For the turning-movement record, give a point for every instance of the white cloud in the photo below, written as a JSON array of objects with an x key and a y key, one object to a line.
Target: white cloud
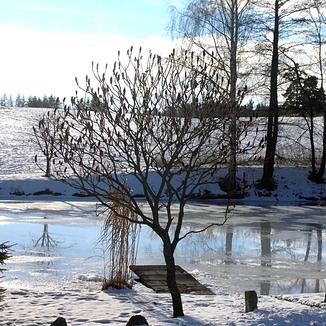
[
  {"x": 98, "y": 19},
  {"x": 37, "y": 63}
]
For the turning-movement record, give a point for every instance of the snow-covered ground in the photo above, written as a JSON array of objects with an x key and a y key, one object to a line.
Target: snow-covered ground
[
  {"x": 65, "y": 281},
  {"x": 28, "y": 307}
]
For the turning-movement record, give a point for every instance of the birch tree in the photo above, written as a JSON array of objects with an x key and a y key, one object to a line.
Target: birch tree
[{"x": 222, "y": 29}]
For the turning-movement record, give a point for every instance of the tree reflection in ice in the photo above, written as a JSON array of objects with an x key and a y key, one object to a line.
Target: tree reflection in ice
[
  {"x": 46, "y": 241},
  {"x": 266, "y": 255}
]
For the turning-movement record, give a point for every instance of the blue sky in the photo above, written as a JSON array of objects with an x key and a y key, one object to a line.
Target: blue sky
[
  {"x": 134, "y": 18},
  {"x": 47, "y": 43}
]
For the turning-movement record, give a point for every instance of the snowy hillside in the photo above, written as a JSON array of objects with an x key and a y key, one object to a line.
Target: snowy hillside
[{"x": 19, "y": 174}]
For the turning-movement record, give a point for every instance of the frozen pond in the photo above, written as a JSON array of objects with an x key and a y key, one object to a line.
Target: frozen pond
[{"x": 273, "y": 250}]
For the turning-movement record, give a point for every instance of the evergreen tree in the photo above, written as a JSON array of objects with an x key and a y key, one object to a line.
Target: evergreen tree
[
  {"x": 23, "y": 102},
  {"x": 45, "y": 102},
  {"x": 4, "y": 253},
  {"x": 4, "y": 100},
  {"x": 31, "y": 102},
  {"x": 10, "y": 101},
  {"x": 18, "y": 101},
  {"x": 52, "y": 101},
  {"x": 304, "y": 96}
]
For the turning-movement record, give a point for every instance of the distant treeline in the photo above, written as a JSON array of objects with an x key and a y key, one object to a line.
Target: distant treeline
[
  {"x": 261, "y": 109},
  {"x": 31, "y": 102}
]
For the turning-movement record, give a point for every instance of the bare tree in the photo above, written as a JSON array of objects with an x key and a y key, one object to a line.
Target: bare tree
[
  {"x": 283, "y": 19},
  {"x": 126, "y": 137},
  {"x": 267, "y": 181},
  {"x": 222, "y": 29},
  {"x": 44, "y": 136},
  {"x": 316, "y": 22},
  {"x": 297, "y": 55}
]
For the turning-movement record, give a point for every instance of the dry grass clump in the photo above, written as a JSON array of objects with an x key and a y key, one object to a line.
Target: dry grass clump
[{"x": 120, "y": 238}]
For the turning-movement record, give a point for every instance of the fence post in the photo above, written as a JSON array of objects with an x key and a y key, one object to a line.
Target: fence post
[{"x": 251, "y": 300}]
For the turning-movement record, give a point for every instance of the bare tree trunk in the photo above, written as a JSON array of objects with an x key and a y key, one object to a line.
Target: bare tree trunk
[
  {"x": 272, "y": 128},
  {"x": 311, "y": 130},
  {"x": 321, "y": 171},
  {"x": 48, "y": 166},
  {"x": 232, "y": 171},
  {"x": 320, "y": 41},
  {"x": 230, "y": 182},
  {"x": 317, "y": 176},
  {"x": 171, "y": 279}
]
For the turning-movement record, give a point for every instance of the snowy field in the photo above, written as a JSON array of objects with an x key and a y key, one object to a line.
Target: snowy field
[
  {"x": 64, "y": 280},
  {"x": 18, "y": 149}
]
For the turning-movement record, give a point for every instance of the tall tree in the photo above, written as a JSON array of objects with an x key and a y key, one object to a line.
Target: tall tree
[
  {"x": 126, "y": 137},
  {"x": 53, "y": 101},
  {"x": 4, "y": 100},
  {"x": 10, "y": 101},
  {"x": 317, "y": 38},
  {"x": 32, "y": 101},
  {"x": 304, "y": 97},
  {"x": 45, "y": 102},
  {"x": 272, "y": 126},
  {"x": 221, "y": 28},
  {"x": 23, "y": 101},
  {"x": 307, "y": 89},
  {"x": 284, "y": 22},
  {"x": 18, "y": 101}
]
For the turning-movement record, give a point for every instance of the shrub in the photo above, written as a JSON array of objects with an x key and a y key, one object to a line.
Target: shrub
[{"x": 4, "y": 253}]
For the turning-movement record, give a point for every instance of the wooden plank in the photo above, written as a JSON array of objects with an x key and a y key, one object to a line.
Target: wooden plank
[{"x": 154, "y": 277}]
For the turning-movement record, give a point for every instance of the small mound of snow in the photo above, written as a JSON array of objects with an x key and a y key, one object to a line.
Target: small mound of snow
[{"x": 90, "y": 277}]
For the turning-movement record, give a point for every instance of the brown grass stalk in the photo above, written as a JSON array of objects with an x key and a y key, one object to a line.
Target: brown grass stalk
[{"x": 119, "y": 236}]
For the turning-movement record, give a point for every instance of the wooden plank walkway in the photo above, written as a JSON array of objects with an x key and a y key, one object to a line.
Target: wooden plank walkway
[{"x": 154, "y": 277}]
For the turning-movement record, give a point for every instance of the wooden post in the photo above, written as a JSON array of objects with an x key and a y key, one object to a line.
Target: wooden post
[
  {"x": 137, "y": 320},
  {"x": 60, "y": 321},
  {"x": 251, "y": 300}
]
